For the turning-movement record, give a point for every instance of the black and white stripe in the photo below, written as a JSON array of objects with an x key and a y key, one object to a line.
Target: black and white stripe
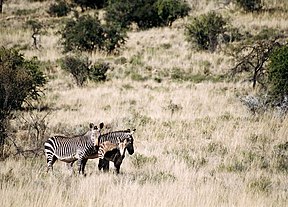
[
  {"x": 117, "y": 138},
  {"x": 66, "y": 149}
]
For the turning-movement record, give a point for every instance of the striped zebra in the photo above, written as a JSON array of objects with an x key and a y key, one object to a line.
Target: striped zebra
[
  {"x": 78, "y": 148},
  {"x": 115, "y": 156},
  {"x": 115, "y": 153}
]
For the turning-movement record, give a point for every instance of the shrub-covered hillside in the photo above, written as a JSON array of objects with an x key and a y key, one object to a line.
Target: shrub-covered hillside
[{"x": 203, "y": 83}]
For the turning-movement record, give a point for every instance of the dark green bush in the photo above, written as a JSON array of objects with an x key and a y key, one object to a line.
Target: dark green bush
[
  {"x": 120, "y": 13},
  {"x": 20, "y": 81},
  {"x": 204, "y": 30},
  {"x": 59, "y": 9},
  {"x": 81, "y": 69},
  {"x": 123, "y": 13},
  {"x": 278, "y": 73},
  {"x": 146, "y": 14},
  {"x": 250, "y": 5},
  {"x": 86, "y": 33},
  {"x": 170, "y": 10},
  {"x": 115, "y": 37},
  {"x": 78, "y": 67}
]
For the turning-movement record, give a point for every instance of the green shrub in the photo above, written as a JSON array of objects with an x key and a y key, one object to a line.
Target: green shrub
[
  {"x": 204, "y": 30},
  {"x": 20, "y": 81},
  {"x": 78, "y": 67},
  {"x": 115, "y": 37},
  {"x": 86, "y": 33},
  {"x": 59, "y": 9},
  {"x": 278, "y": 73},
  {"x": 170, "y": 10},
  {"x": 250, "y": 5},
  {"x": 123, "y": 13},
  {"x": 119, "y": 13},
  {"x": 146, "y": 14}
]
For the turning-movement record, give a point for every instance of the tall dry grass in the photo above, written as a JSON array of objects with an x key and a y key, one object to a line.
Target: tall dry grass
[{"x": 195, "y": 143}]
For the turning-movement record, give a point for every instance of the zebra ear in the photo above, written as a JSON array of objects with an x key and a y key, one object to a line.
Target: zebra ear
[
  {"x": 91, "y": 125},
  {"x": 101, "y": 125},
  {"x": 133, "y": 131}
]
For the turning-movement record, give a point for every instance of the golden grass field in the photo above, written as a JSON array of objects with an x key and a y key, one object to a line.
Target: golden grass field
[{"x": 195, "y": 143}]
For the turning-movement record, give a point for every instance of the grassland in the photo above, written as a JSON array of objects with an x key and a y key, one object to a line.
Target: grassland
[{"x": 195, "y": 145}]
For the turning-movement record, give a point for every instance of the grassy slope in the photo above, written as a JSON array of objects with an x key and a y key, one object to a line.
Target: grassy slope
[{"x": 196, "y": 145}]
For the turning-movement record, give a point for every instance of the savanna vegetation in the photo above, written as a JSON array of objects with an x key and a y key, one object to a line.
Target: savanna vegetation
[{"x": 203, "y": 82}]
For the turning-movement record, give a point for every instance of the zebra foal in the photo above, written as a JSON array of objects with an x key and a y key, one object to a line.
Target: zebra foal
[
  {"x": 70, "y": 149},
  {"x": 124, "y": 141},
  {"x": 115, "y": 153}
]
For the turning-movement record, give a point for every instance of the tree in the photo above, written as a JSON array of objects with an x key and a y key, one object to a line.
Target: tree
[
  {"x": 278, "y": 73},
  {"x": 81, "y": 69},
  {"x": 205, "y": 29},
  {"x": 115, "y": 37},
  {"x": 252, "y": 55},
  {"x": 86, "y": 33},
  {"x": 77, "y": 66},
  {"x": 20, "y": 81},
  {"x": 146, "y": 14},
  {"x": 36, "y": 28},
  {"x": 83, "y": 34},
  {"x": 170, "y": 10},
  {"x": 59, "y": 9}
]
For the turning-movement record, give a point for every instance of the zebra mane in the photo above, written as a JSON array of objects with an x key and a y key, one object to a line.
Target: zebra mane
[{"x": 115, "y": 132}]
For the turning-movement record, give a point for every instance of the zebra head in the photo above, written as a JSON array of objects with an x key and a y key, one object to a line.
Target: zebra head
[
  {"x": 96, "y": 132},
  {"x": 122, "y": 144},
  {"x": 130, "y": 140}
]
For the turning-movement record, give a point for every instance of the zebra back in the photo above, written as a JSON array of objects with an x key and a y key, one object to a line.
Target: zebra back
[
  {"x": 119, "y": 136},
  {"x": 114, "y": 137}
]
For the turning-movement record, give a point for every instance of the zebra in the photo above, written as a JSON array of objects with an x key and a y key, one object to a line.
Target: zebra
[
  {"x": 109, "y": 151},
  {"x": 114, "y": 151},
  {"x": 115, "y": 156},
  {"x": 70, "y": 149}
]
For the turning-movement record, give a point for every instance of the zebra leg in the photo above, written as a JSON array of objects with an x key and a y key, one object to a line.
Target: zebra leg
[
  {"x": 117, "y": 164},
  {"x": 70, "y": 166},
  {"x": 50, "y": 162},
  {"x": 79, "y": 163},
  {"x": 103, "y": 164},
  {"x": 81, "y": 166}
]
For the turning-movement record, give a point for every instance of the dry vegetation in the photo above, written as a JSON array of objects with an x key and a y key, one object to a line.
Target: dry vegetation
[{"x": 196, "y": 144}]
